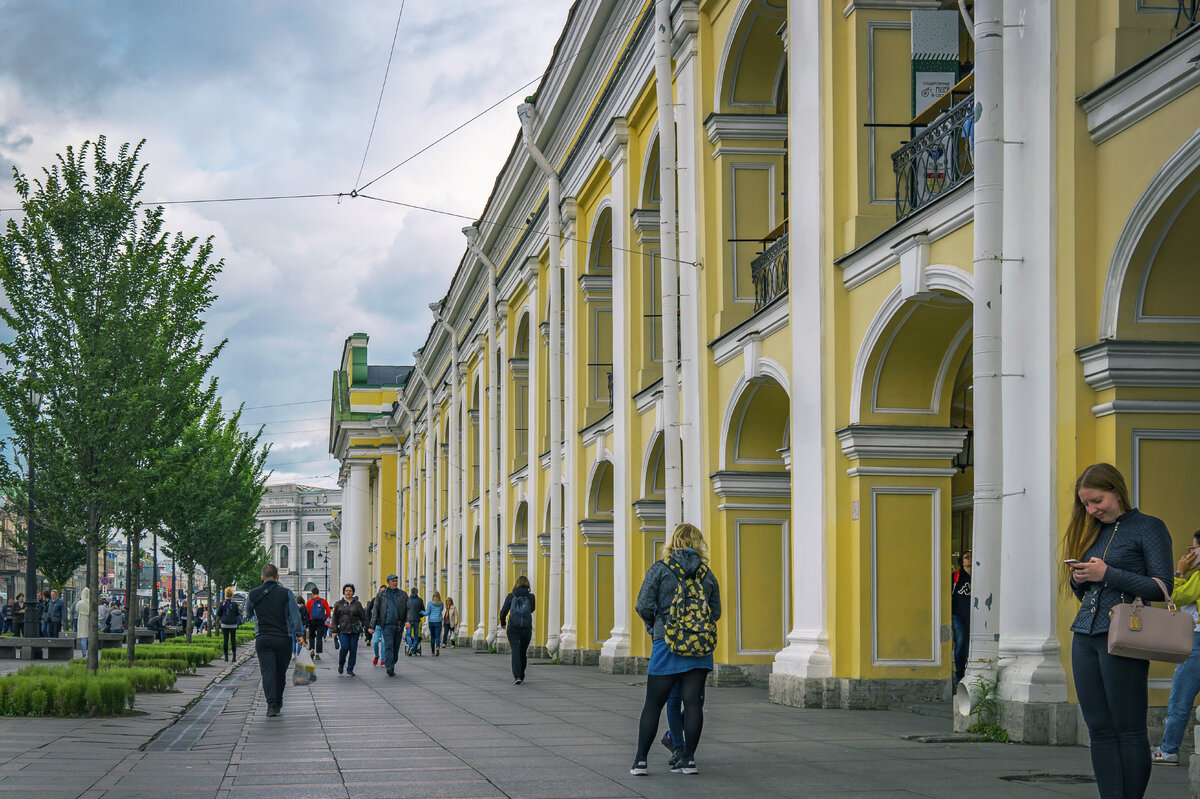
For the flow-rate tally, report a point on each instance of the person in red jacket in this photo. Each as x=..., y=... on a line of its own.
x=318, y=616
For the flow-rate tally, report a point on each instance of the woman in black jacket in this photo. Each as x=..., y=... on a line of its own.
x=516, y=619
x=349, y=619
x=1112, y=552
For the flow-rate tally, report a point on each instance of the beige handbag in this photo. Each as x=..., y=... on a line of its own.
x=1137, y=630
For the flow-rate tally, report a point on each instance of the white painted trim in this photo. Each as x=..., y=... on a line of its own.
x=1145, y=406
x=935, y=501
x=900, y=471
x=947, y=215
x=896, y=441
x=785, y=594
x=1182, y=163
x=752, y=484
x=1138, y=435
x=772, y=151
x=739, y=31
x=763, y=324
x=745, y=127
x=1168, y=364
x=1143, y=89
x=768, y=506
x=1138, y=316
x=890, y=5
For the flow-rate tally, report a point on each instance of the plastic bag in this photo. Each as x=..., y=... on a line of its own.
x=304, y=671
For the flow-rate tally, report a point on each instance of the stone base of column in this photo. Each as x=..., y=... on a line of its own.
x=1045, y=723
x=740, y=674
x=846, y=694
x=538, y=652
x=502, y=646
x=479, y=642
x=579, y=657
x=610, y=664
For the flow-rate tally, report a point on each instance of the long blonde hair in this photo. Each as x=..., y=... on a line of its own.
x=1083, y=528
x=686, y=536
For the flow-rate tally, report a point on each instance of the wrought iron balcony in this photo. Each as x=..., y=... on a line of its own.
x=936, y=160
x=769, y=271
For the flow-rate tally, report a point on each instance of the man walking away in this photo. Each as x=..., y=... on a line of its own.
x=274, y=609
x=56, y=612
x=318, y=615
x=388, y=615
x=416, y=611
x=960, y=613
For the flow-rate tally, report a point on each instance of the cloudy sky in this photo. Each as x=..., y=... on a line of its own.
x=238, y=99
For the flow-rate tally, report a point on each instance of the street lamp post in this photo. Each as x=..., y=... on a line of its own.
x=32, y=622
x=323, y=554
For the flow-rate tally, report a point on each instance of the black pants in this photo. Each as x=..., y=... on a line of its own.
x=658, y=689
x=229, y=640
x=316, y=635
x=1113, y=697
x=55, y=627
x=274, y=656
x=518, y=642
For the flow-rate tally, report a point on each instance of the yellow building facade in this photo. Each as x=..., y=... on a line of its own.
x=903, y=290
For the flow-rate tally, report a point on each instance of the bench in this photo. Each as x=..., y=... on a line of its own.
x=117, y=640
x=37, y=648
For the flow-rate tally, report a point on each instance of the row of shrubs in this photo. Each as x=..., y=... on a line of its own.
x=70, y=691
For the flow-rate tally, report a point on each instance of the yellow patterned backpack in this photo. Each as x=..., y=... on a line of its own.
x=690, y=629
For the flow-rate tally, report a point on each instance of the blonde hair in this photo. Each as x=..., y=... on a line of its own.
x=686, y=536
x=229, y=593
x=437, y=597
x=1083, y=528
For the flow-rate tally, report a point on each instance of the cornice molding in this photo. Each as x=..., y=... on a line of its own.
x=746, y=127
x=1158, y=364
x=896, y=441
x=752, y=484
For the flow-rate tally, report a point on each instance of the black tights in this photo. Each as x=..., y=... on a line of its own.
x=1112, y=698
x=658, y=688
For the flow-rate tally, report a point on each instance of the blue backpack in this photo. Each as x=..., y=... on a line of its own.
x=318, y=610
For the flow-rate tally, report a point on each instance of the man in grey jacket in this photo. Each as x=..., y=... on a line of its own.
x=388, y=613
x=55, y=613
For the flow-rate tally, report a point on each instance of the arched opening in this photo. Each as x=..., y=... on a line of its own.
x=284, y=557
x=519, y=367
x=474, y=443
x=755, y=493
x=596, y=284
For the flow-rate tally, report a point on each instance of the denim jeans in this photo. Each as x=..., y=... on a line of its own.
x=376, y=641
x=1113, y=695
x=1184, y=687
x=348, y=651
x=446, y=632
x=435, y=635
x=961, y=629
x=392, y=636
x=675, y=714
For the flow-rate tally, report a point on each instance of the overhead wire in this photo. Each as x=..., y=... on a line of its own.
x=379, y=102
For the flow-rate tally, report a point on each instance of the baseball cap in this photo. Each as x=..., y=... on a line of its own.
x=391, y=577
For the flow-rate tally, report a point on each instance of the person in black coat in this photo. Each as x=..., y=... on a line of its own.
x=416, y=610
x=516, y=619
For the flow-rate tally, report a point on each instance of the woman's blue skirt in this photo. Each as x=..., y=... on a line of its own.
x=664, y=661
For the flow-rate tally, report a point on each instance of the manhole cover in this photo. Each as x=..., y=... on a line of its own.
x=1052, y=779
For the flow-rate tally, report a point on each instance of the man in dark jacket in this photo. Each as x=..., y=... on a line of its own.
x=388, y=614
x=56, y=611
x=277, y=623
x=416, y=610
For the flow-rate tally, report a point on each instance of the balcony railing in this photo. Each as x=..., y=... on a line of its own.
x=600, y=378
x=937, y=160
x=769, y=272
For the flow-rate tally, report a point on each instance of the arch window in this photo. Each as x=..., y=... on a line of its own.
x=519, y=367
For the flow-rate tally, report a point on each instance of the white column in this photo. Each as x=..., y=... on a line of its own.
x=572, y=366
x=460, y=474
x=986, y=348
x=356, y=523
x=806, y=655
x=431, y=520
x=503, y=425
x=412, y=546
x=616, y=153
x=454, y=476
x=1031, y=666
x=401, y=498
x=688, y=105
x=533, y=480
x=486, y=629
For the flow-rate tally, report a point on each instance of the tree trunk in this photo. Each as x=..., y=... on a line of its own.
x=191, y=590
x=93, y=636
x=131, y=584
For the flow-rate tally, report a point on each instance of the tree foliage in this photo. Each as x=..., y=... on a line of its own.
x=105, y=310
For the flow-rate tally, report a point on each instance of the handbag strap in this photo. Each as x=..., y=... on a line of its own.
x=1167, y=594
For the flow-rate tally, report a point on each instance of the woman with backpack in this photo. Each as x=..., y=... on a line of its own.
x=516, y=619
x=230, y=616
x=680, y=602
x=434, y=614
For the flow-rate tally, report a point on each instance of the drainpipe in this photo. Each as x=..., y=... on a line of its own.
x=492, y=476
x=454, y=464
x=426, y=561
x=526, y=113
x=672, y=456
x=983, y=660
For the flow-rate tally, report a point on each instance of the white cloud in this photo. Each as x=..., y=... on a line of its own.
x=273, y=97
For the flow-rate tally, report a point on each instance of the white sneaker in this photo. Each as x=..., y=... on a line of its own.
x=1160, y=758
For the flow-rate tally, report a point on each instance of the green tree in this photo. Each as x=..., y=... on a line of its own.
x=105, y=311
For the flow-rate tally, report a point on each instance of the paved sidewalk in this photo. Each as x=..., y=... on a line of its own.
x=456, y=726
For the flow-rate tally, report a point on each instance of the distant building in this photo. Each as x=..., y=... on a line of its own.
x=295, y=522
